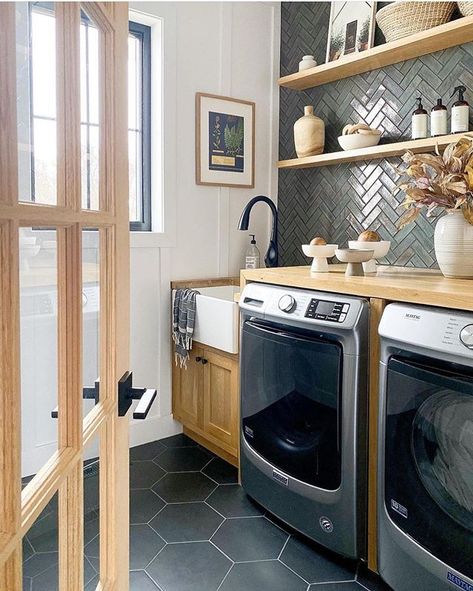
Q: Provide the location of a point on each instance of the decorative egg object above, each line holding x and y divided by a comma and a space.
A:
369, 236
318, 241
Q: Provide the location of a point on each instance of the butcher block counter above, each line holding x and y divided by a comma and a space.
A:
390, 284
395, 284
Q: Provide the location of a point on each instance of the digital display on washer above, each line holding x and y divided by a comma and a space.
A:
327, 310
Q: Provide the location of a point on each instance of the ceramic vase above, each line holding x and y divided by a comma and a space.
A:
454, 245
307, 62
309, 134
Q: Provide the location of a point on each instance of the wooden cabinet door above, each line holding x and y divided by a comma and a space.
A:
188, 390
221, 397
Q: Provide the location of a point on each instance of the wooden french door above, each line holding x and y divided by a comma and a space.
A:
72, 183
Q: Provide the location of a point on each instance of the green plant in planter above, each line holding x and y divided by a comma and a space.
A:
337, 44
439, 181
233, 137
364, 35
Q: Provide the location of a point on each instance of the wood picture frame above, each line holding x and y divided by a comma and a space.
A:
224, 141
351, 28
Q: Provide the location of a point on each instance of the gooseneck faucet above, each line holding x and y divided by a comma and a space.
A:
271, 256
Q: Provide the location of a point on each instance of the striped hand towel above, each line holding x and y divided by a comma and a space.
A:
183, 322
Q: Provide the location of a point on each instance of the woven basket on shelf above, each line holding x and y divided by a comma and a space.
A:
404, 18
466, 8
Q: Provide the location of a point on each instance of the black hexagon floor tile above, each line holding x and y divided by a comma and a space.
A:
180, 487
148, 451
222, 472
268, 575
144, 474
144, 505
145, 543
140, 581
315, 564
192, 566
186, 522
183, 459
232, 501
249, 538
38, 563
179, 440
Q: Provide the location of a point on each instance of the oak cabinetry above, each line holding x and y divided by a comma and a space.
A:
206, 399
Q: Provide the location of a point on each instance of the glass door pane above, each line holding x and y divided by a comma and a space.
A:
36, 102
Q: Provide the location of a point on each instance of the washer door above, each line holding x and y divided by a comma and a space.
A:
429, 456
290, 402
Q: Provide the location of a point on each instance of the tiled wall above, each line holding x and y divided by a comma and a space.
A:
338, 202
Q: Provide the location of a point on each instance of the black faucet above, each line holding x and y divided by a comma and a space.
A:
271, 256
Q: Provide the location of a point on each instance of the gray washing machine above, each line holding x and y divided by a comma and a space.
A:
425, 501
303, 411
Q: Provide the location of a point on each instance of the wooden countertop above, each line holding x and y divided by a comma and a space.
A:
400, 284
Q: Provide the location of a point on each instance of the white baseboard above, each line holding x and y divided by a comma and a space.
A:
153, 428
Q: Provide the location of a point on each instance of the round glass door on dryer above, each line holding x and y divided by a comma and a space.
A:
428, 476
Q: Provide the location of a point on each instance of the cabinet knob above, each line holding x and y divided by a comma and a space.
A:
204, 361
198, 359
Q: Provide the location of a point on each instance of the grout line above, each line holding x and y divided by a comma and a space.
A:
222, 552
293, 571
284, 547
226, 575
213, 508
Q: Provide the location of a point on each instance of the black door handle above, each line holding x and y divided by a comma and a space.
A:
126, 394
88, 393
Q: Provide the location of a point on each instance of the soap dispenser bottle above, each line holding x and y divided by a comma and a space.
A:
419, 121
460, 112
252, 255
438, 119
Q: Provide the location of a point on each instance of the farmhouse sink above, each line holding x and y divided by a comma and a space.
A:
216, 322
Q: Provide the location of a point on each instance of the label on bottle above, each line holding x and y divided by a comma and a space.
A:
438, 122
460, 118
419, 126
250, 262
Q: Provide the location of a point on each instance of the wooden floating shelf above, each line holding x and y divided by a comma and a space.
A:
453, 33
373, 152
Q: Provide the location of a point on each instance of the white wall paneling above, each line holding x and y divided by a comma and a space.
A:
227, 48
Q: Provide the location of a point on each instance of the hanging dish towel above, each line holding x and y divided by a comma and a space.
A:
183, 322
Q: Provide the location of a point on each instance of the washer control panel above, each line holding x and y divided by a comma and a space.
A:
327, 310
287, 303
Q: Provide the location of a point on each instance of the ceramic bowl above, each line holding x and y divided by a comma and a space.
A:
357, 140
380, 248
320, 253
352, 255
354, 258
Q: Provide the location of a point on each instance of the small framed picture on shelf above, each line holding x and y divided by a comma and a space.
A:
225, 141
351, 28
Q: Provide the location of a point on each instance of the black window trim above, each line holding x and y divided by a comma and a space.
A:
143, 33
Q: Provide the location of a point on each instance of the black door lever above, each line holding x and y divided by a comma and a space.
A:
88, 393
126, 395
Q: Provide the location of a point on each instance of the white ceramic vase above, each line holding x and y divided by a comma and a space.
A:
454, 245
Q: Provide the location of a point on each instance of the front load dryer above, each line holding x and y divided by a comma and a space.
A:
425, 500
303, 411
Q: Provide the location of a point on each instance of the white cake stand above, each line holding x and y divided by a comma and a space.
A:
320, 253
380, 249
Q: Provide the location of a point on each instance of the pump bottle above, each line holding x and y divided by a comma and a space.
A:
419, 121
460, 112
252, 255
438, 119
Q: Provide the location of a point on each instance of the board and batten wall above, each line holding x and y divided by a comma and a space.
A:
226, 48
338, 202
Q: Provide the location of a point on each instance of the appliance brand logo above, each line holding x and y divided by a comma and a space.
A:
459, 582
400, 509
280, 478
412, 316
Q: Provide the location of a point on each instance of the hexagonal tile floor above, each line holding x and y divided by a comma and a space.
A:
194, 529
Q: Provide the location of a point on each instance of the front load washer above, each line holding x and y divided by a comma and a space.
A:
425, 501
303, 411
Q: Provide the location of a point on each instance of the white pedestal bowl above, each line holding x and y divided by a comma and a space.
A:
320, 254
380, 249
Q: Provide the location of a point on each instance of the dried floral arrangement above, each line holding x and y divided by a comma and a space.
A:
439, 181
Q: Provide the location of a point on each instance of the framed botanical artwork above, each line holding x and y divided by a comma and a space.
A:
225, 141
351, 28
